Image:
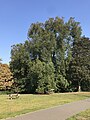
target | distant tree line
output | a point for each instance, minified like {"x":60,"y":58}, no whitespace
{"x":54,"y":58}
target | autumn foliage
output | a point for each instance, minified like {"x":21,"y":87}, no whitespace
{"x":6,"y":78}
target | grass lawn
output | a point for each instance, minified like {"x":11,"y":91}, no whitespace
{"x":29,"y":103}
{"x":81,"y":116}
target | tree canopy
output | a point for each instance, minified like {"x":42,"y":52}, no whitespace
{"x":5,"y":77}
{"x":47,"y":59}
{"x":79,"y":71}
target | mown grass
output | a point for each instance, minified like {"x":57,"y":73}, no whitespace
{"x":29,"y":103}
{"x":85,"y":115}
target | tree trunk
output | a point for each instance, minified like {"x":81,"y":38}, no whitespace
{"x":79,"y":88}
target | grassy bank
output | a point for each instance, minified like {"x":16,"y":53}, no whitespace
{"x":30,"y":103}
{"x":85,"y":115}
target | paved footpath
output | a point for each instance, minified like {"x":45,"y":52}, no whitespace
{"x":56,"y":113}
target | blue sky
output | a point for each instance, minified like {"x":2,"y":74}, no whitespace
{"x":17,"y":15}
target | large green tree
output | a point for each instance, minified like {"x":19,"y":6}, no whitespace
{"x":49,"y":45}
{"x":41,"y":77}
{"x":79,"y":67}
{"x":31,"y":75}
{"x":19,"y":66}
{"x":53,"y":40}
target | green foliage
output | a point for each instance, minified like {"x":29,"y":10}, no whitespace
{"x":79,"y":71}
{"x":62,"y":84}
{"x":0,"y":60}
{"x":53,"y":57}
{"x":19,"y":66}
{"x":41,"y":76}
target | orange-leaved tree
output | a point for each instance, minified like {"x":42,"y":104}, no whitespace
{"x":6,"y":77}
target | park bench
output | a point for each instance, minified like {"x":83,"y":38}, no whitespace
{"x":13,"y":96}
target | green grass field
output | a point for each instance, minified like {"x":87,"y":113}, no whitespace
{"x":85,"y":115}
{"x":30,"y":103}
